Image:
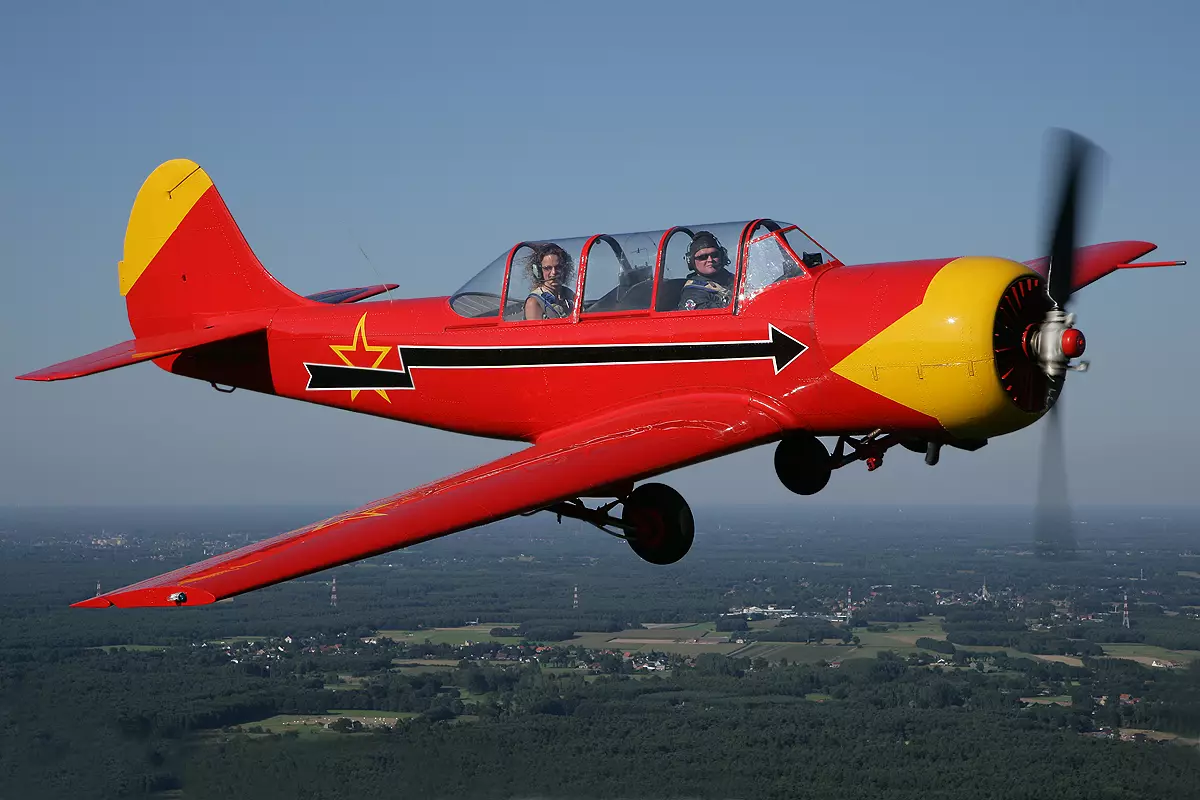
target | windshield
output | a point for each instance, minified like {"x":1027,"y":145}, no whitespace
{"x":774,"y":254}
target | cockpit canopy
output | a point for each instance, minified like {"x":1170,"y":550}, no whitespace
{"x":644,"y":270}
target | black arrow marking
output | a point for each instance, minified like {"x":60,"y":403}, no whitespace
{"x":780,"y":348}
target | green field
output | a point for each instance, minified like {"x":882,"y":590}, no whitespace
{"x":796,"y":653}
{"x":456,"y":636}
{"x":314,"y":724}
{"x":1062,"y":700}
{"x":416,"y":666}
{"x":1145,"y":653}
{"x":133,"y":648}
{"x":673,"y":639}
{"x":905,"y":635}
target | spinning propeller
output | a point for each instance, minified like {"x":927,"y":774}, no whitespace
{"x":1055,"y":341}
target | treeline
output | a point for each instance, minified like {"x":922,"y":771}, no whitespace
{"x":993,"y":627}
{"x":723,"y":729}
{"x":936,"y":645}
{"x":802,"y":629}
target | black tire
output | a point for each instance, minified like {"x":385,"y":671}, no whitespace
{"x":664,"y":526}
{"x":803,"y":464}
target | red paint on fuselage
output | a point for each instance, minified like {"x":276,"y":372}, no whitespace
{"x":522,"y":403}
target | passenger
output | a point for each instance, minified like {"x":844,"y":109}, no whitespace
{"x":709,"y":284}
{"x":549,"y":269}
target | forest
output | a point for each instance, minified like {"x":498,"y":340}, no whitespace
{"x":187,"y":704}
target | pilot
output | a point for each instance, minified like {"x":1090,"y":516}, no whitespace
{"x":549,"y":268}
{"x":709,"y":284}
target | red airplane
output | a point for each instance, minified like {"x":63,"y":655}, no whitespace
{"x":616,"y":357}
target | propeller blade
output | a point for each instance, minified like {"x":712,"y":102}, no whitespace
{"x":1053,"y":535}
{"x":1076,"y":155}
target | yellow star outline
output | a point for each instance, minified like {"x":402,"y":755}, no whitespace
{"x":360,"y":333}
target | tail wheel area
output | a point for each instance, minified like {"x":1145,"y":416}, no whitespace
{"x":659,"y":524}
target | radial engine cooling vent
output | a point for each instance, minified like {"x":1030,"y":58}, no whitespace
{"x":1022,"y":308}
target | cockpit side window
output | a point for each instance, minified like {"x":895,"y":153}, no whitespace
{"x":618,"y":272}
{"x":673,"y":271}
{"x":522,"y":279}
{"x":479,"y":298}
{"x":807,"y":250}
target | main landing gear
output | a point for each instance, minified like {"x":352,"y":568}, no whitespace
{"x":804,"y":464}
{"x":655,"y":520}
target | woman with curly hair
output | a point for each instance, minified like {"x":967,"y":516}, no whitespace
{"x":549,"y":269}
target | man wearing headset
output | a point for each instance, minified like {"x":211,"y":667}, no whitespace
{"x":709,"y":284}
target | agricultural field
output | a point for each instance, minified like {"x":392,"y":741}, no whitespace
{"x":690,"y":639}
{"x":1061,"y":700}
{"x":1012,"y":652}
{"x":133,"y":648}
{"x":797,"y":652}
{"x":455,"y":636}
{"x":1146,"y":653}
{"x":905,"y":635}
{"x":411,"y":666}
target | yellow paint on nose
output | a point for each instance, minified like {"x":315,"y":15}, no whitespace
{"x":938,"y":359}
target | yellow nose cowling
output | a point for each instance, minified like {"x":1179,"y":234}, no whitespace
{"x":939,"y":358}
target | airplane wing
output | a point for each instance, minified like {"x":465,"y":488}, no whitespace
{"x":1097,"y":260}
{"x":635,"y":442}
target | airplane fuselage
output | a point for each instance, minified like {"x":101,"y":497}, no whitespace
{"x":902,"y":347}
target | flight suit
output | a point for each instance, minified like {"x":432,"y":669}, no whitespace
{"x":706,"y":292}
{"x":553,"y":306}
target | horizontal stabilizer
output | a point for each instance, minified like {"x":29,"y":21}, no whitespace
{"x":352,"y":295}
{"x":144,"y":349}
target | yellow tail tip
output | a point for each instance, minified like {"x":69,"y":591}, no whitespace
{"x":165,"y":198}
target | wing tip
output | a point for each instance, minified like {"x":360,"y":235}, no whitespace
{"x":150,"y":597}
{"x":92,"y":602}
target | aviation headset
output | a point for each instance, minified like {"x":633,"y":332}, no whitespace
{"x":700,"y":241}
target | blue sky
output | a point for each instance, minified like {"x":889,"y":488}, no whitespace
{"x":434,"y":138}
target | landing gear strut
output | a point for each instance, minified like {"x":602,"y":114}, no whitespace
{"x":655,"y":520}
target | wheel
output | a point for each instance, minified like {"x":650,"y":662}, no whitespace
{"x":663,"y":523}
{"x":803,"y":464}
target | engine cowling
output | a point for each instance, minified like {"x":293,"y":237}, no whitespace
{"x":941,"y":338}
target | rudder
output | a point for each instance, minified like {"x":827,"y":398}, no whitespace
{"x":186,"y":261}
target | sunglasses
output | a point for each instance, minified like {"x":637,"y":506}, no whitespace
{"x":708,"y":257}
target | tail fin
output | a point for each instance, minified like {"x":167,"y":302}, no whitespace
{"x":186,"y":261}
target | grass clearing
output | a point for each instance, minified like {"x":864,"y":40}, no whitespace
{"x":1061,"y":700}
{"x":1148,"y":653}
{"x":133,"y":648}
{"x":796,"y":652}
{"x":686,"y":639}
{"x":1158,"y":736}
{"x":314,"y":724}
{"x":454,"y":636}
